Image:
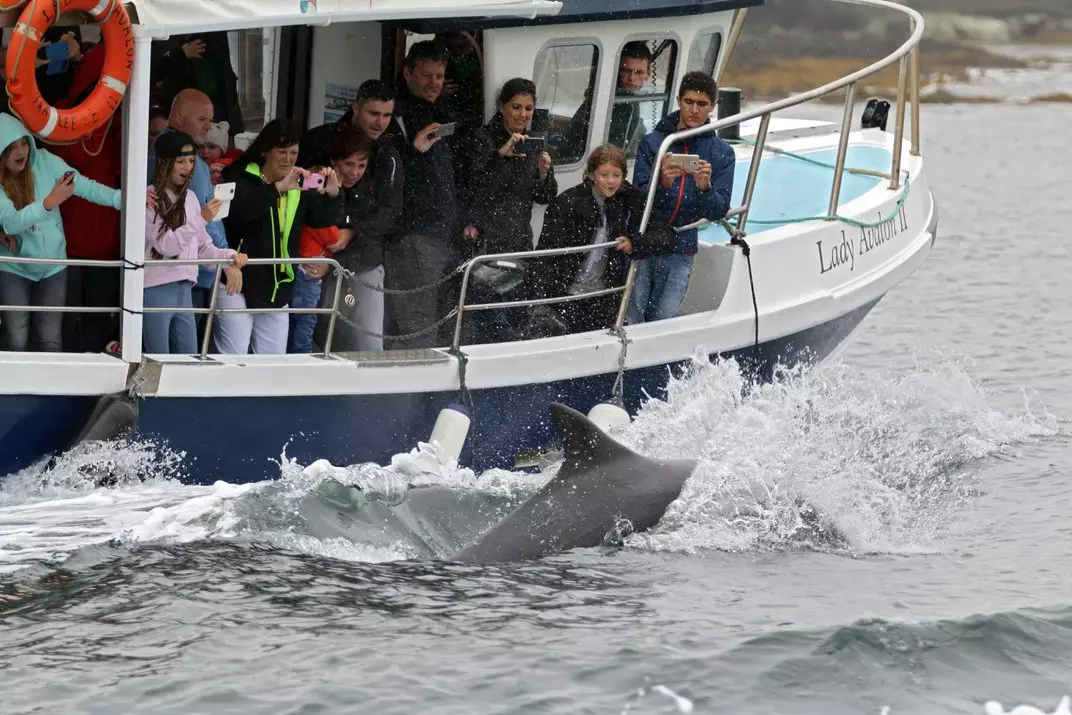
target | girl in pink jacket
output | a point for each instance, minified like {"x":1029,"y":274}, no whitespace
{"x":176,"y":229}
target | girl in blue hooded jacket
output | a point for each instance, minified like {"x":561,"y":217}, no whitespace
{"x":33,"y":184}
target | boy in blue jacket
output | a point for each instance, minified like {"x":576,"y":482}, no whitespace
{"x":685,"y":196}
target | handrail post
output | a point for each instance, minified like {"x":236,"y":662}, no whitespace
{"x":339,"y":278}
{"x":843,"y":148}
{"x":458,"y":321}
{"x":898,"y":133}
{"x":211,"y":311}
{"x":731,"y":43}
{"x":753,"y":171}
{"x":135,"y":152}
{"x":913,"y":68}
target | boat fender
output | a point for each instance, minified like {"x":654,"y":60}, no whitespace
{"x":114,"y":417}
{"x":64,"y":126}
{"x":450,"y":430}
{"x":607,"y":416}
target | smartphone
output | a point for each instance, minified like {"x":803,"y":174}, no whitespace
{"x":445,"y":130}
{"x":68,"y":177}
{"x":312,"y":182}
{"x":225,"y":193}
{"x":531,"y":146}
{"x":688,"y":162}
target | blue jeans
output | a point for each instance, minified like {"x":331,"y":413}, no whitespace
{"x":302,"y":325}
{"x":15,"y":326}
{"x":661,"y":283}
{"x":174,"y":333}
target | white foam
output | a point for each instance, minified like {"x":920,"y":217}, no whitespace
{"x":1064,"y":707}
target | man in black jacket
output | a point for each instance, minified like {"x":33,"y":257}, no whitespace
{"x":428,"y":234}
{"x":371,"y":206}
{"x":371,"y":112}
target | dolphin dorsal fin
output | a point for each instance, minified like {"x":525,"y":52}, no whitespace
{"x":584,"y":443}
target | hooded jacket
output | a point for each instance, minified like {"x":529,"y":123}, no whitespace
{"x":92,"y":231}
{"x":684,"y":203}
{"x":256,"y":227}
{"x":39,"y":231}
{"x":504,"y":189}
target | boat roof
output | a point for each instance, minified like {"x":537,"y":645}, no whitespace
{"x":160,"y":18}
{"x":592,"y":11}
{"x":175,"y":17}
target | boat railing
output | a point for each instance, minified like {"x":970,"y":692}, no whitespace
{"x":211,"y":311}
{"x":480,"y":260}
{"x":907,"y":85}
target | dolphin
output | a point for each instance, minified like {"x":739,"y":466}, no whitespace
{"x":603,"y":490}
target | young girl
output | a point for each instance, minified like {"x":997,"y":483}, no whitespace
{"x":601,"y":209}
{"x":33,"y":183}
{"x":175,"y":228}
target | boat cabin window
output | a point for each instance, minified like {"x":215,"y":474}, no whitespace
{"x":565,"y":77}
{"x":703,"y":55}
{"x":643,"y":91}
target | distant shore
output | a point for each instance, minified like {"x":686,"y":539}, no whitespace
{"x":784,"y":51}
{"x":776,"y":77}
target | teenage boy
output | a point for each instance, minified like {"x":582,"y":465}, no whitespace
{"x":686,"y":194}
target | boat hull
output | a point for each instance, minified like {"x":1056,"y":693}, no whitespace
{"x":241,"y":439}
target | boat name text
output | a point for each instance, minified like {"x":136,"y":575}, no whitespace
{"x":845,"y":252}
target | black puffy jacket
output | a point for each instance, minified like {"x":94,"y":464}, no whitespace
{"x":503,"y":190}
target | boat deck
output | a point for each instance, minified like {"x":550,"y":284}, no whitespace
{"x":776,"y":205}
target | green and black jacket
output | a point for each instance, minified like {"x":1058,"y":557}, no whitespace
{"x":258,"y":227}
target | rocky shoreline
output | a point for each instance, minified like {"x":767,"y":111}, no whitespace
{"x":776,"y":58}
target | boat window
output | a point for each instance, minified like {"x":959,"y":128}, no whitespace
{"x":565,"y":77}
{"x":252,"y":53}
{"x":703,"y":56}
{"x":643,"y":91}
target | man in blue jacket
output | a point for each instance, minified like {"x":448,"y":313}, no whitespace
{"x":685,"y":195}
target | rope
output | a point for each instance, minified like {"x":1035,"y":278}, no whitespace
{"x":404,"y":291}
{"x":384,"y":336}
{"x":619,"y":381}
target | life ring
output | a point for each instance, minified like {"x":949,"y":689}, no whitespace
{"x":61,"y":126}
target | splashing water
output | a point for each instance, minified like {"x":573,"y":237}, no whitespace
{"x":891,"y":457}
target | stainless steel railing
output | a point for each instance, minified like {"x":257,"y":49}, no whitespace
{"x":908,"y":56}
{"x":539,"y":253}
{"x":211,"y":311}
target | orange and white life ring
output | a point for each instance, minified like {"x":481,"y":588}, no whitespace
{"x":61,"y":126}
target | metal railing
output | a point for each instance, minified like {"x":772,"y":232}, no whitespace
{"x":539,"y":253}
{"x":908,"y":82}
{"x":908,"y":56}
{"x":211,"y":311}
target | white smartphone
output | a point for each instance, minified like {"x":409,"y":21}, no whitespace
{"x":688,"y":162}
{"x":225,"y":193}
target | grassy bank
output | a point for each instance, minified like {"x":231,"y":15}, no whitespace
{"x":779,"y":77}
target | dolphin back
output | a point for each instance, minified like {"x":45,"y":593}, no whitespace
{"x":600,"y":482}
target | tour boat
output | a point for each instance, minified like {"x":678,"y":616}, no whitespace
{"x":828,"y":218}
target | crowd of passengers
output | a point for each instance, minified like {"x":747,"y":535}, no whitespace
{"x":380,"y":191}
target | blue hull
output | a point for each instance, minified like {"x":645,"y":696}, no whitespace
{"x":240,"y":439}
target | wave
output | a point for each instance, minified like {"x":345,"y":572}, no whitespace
{"x":887,"y":462}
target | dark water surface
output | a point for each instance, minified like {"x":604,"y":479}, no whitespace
{"x":940,"y":445}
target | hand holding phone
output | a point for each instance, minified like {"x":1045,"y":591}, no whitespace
{"x":445,"y":130}
{"x":530,"y":146}
{"x":224,"y":193}
{"x":312,"y":182}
